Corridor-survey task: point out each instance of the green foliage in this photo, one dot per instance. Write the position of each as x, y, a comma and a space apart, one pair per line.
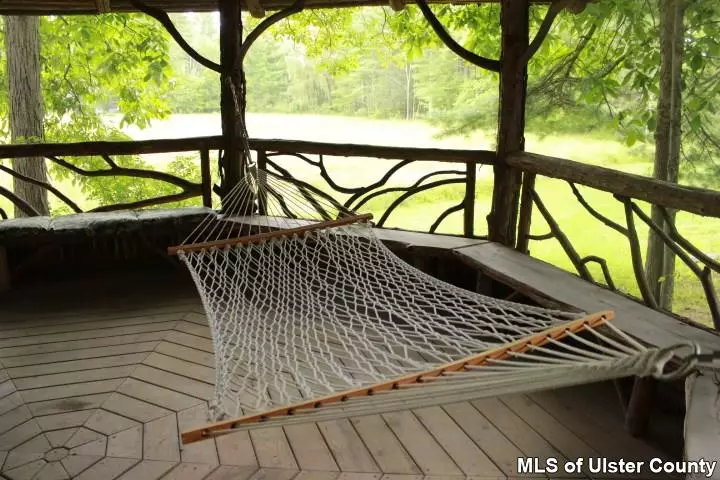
90, 61
194, 88
597, 70
90, 64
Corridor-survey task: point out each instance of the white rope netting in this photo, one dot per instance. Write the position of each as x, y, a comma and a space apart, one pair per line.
301, 316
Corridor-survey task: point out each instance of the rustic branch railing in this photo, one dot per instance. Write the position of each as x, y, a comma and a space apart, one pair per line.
274, 155
357, 198
55, 153
269, 153
627, 189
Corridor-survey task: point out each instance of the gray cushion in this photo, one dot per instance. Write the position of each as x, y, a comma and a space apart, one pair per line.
95, 223
18, 228
34, 230
175, 215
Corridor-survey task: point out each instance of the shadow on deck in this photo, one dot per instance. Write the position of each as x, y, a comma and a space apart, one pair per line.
101, 373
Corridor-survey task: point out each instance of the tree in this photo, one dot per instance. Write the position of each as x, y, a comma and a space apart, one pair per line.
660, 260
22, 48
85, 64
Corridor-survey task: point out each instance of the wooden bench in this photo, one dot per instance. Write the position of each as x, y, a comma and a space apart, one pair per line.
549, 285
41, 234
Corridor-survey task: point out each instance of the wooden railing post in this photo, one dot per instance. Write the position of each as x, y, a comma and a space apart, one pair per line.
469, 207
262, 181
511, 122
231, 92
206, 178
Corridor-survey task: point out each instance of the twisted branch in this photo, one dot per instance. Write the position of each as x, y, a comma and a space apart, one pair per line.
356, 192
164, 19
685, 243
666, 239
27, 209
615, 226
406, 189
704, 274
281, 201
603, 266
296, 7
456, 48
45, 185
398, 201
539, 238
555, 8
286, 176
115, 171
457, 208
564, 241
711, 295
636, 255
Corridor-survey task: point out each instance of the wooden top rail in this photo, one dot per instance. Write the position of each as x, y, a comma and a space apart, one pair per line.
484, 157
670, 195
264, 237
110, 148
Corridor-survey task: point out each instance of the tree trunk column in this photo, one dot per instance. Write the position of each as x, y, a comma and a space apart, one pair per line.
660, 261
511, 122
26, 105
232, 94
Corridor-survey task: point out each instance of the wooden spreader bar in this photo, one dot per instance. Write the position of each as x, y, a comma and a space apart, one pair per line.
264, 237
521, 345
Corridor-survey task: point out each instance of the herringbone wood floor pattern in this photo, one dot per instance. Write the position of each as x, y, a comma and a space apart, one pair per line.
98, 379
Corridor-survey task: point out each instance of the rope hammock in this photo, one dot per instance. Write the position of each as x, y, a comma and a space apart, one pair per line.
314, 318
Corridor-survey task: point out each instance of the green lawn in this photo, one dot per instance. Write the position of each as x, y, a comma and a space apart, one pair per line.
589, 236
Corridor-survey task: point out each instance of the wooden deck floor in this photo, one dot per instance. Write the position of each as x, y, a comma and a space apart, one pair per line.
100, 376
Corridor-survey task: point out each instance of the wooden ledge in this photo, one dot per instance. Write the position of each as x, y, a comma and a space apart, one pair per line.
540, 280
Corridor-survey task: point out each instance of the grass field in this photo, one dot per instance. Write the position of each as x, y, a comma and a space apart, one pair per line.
589, 236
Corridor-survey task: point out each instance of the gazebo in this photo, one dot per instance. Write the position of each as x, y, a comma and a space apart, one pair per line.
100, 386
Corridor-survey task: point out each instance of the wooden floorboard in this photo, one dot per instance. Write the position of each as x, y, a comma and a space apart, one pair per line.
113, 388
384, 446
427, 453
466, 455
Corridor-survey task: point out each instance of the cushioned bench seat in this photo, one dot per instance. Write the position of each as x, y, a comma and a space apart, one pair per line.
40, 229
31, 235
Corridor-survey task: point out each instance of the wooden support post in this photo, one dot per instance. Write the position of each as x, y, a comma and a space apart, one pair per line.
469, 208
4, 271
514, 18
232, 97
206, 178
639, 407
262, 182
